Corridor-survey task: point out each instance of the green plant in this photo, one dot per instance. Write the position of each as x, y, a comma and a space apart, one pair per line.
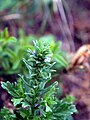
31, 98
12, 50
6, 44
58, 55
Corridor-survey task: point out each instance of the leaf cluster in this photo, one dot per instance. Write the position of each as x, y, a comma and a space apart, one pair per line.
33, 100
12, 51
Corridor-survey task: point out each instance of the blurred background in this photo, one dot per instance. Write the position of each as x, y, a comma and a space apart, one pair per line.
66, 21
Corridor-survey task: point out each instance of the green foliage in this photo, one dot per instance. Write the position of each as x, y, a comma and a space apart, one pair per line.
5, 43
31, 98
5, 114
12, 50
58, 55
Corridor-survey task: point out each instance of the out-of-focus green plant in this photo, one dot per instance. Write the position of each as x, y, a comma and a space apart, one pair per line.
12, 50
31, 98
6, 44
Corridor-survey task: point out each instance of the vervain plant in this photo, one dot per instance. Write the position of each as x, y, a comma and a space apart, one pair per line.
32, 99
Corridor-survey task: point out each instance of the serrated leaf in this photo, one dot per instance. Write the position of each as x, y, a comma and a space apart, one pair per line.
10, 88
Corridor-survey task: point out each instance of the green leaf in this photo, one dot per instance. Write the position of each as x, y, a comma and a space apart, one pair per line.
36, 118
16, 101
10, 88
15, 66
60, 60
6, 33
25, 104
48, 109
25, 113
15, 89
5, 114
12, 39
